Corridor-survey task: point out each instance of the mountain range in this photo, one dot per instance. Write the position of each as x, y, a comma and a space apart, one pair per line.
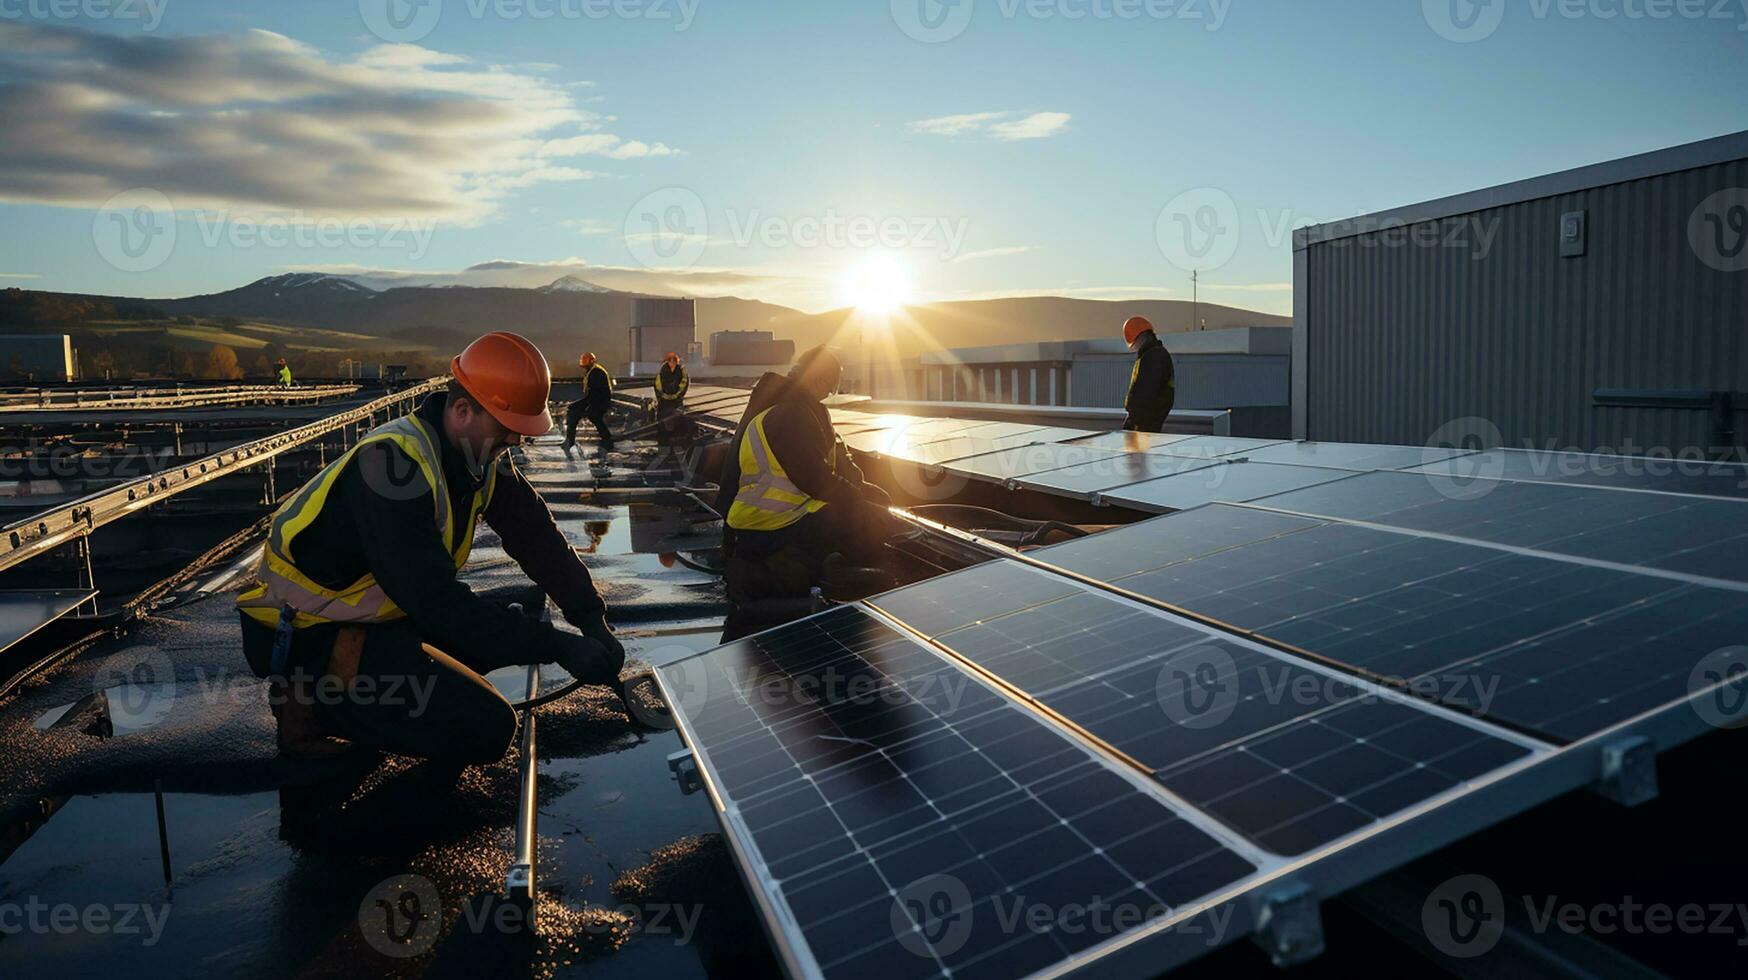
571, 314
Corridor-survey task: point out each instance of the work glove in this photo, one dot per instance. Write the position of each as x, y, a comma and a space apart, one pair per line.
596, 628
587, 659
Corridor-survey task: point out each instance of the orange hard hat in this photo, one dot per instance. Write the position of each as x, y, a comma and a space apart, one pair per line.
586, 359
509, 378
280, 361
672, 358
1134, 327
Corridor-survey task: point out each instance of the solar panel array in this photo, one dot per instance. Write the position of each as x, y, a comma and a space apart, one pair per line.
891, 803
1307, 663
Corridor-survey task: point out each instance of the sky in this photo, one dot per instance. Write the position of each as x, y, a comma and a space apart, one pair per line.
816, 154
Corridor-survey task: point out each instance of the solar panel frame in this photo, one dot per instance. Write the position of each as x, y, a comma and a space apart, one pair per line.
1522, 639
1353, 455
782, 922
1235, 481
1701, 537
1088, 480
1184, 935
1708, 478
1133, 442
1004, 466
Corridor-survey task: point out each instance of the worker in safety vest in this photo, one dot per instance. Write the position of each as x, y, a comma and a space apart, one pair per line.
284, 373
670, 387
1152, 382
790, 486
358, 618
597, 397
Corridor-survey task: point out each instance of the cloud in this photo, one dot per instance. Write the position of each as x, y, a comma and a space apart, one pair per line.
19, 275
955, 125
1002, 126
1037, 126
259, 123
991, 253
589, 226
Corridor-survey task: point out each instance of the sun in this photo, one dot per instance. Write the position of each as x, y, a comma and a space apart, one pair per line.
879, 285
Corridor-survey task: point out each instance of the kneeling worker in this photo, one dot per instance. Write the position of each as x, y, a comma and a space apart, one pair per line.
597, 398
670, 387
791, 494
359, 574
1152, 382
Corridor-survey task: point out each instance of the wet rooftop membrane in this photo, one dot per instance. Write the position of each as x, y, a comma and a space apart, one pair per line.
373, 864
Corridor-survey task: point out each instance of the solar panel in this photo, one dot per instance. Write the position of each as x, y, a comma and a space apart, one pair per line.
1694, 535
887, 802
1213, 446
1177, 697
1240, 481
1545, 645
1704, 477
1353, 455
1006, 464
1132, 442
1101, 473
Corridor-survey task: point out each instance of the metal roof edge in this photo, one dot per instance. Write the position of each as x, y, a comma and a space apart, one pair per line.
1655, 163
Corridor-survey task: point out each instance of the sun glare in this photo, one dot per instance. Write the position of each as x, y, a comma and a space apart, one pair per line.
879, 285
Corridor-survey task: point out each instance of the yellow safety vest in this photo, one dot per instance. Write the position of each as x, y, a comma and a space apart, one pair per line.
363, 601
679, 389
765, 499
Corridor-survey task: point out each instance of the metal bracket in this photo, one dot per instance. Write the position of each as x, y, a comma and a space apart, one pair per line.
1289, 926
1629, 771
684, 766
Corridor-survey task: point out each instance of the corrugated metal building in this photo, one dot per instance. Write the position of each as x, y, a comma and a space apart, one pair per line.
1603, 308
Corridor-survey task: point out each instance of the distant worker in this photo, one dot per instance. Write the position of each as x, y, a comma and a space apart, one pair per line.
359, 574
671, 384
792, 497
284, 373
597, 397
1152, 382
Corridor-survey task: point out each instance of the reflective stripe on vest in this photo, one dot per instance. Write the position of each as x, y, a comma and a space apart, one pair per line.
681, 383
766, 500
281, 584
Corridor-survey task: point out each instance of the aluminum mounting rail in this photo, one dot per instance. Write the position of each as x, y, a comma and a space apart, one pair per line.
48, 399
43, 532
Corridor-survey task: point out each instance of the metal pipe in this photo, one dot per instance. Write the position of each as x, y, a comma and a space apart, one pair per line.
519, 882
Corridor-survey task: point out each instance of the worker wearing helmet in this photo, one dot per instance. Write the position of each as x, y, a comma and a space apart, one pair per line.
1152, 381
670, 387
358, 575
597, 397
284, 373
793, 498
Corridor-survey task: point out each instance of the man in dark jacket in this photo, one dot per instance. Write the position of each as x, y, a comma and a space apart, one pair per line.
359, 617
670, 387
1152, 382
597, 398
790, 493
